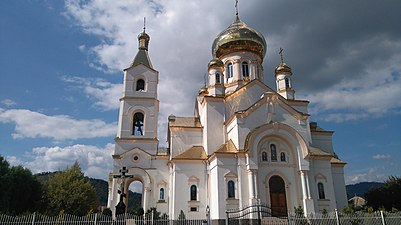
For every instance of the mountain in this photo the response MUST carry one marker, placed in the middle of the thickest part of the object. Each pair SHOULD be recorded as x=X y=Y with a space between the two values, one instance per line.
x=360 y=189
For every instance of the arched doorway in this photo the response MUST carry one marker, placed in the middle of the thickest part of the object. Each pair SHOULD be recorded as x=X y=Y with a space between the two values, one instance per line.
x=135 y=196
x=278 y=200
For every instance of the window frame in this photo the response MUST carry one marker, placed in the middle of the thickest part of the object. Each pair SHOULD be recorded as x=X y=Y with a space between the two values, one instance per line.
x=137 y=85
x=320 y=190
x=230 y=71
x=134 y=125
x=193 y=193
x=245 y=69
x=273 y=152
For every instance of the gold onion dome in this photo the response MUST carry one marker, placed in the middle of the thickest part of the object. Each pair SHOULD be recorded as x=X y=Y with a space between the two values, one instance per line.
x=215 y=62
x=283 y=68
x=239 y=37
x=143 y=40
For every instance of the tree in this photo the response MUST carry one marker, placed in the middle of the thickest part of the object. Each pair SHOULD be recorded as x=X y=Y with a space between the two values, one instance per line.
x=71 y=192
x=387 y=197
x=20 y=191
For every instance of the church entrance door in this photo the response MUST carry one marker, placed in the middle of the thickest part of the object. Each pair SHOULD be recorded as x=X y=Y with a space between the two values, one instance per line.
x=278 y=201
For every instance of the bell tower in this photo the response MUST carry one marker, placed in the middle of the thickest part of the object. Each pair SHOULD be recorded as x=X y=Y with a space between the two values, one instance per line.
x=139 y=106
x=283 y=79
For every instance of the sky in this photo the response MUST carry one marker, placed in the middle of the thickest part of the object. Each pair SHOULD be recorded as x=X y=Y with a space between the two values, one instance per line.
x=61 y=73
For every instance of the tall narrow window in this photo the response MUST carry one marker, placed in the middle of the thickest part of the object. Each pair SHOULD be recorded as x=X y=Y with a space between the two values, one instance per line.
x=320 y=189
x=231 y=189
x=137 y=124
x=282 y=157
x=161 y=193
x=245 y=70
x=140 y=85
x=287 y=83
x=229 y=70
x=193 y=192
x=264 y=156
x=273 y=152
x=217 y=78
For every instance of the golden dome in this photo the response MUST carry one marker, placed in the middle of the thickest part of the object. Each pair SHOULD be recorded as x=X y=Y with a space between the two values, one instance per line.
x=283 y=68
x=239 y=37
x=215 y=62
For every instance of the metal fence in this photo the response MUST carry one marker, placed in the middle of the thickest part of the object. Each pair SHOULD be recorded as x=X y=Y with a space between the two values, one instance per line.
x=251 y=217
x=94 y=219
x=355 y=218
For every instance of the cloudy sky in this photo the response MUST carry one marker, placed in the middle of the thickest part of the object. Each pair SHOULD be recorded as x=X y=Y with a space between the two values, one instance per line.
x=61 y=72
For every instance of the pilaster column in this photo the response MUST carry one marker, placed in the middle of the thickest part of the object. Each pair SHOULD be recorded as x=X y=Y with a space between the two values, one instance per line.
x=251 y=184
x=303 y=182
x=146 y=195
x=237 y=69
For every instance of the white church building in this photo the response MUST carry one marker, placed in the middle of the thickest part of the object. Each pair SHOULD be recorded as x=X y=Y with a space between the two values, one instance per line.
x=246 y=143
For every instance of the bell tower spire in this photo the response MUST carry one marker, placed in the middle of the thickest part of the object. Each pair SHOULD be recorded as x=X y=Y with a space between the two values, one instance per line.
x=283 y=75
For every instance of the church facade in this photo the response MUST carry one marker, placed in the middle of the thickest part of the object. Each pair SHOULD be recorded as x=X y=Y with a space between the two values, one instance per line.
x=246 y=143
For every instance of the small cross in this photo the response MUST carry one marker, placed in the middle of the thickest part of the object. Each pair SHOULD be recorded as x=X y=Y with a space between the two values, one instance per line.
x=236 y=7
x=144 y=24
x=281 y=54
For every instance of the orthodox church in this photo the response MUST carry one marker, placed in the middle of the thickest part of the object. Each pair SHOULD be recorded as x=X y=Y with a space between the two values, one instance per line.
x=246 y=143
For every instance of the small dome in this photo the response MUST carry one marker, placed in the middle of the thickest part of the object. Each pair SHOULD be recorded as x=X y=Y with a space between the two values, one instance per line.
x=239 y=37
x=215 y=62
x=283 y=68
x=143 y=39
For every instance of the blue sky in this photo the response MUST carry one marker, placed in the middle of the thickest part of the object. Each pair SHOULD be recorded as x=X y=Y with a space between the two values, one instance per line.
x=61 y=72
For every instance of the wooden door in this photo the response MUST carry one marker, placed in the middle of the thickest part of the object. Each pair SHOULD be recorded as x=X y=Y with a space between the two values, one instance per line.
x=278 y=200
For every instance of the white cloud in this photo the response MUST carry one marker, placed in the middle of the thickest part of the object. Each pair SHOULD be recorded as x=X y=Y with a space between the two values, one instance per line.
x=105 y=94
x=375 y=95
x=29 y=124
x=373 y=174
x=381 y=156
x=94 y=161
x=8 y=102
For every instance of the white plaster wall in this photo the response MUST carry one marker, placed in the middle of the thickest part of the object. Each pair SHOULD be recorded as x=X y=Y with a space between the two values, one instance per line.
x=339 y=186
x=183 y=139
x=214 y=130
x=184 y=170
x=140 y=72
x=320 y=171
x=324 y=142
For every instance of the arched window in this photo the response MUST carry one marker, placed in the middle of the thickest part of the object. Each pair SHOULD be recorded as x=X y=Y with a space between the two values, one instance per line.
x=161 y=193
x=287 y=82
x=137 y=124
x=231 y=189
x=229 y=70
x=140 y=85
x=273 y=152
x=217 y=78
x=320 y=189
x=282 y=157
x=193 y=192
x=245 y=70
x=264 y=156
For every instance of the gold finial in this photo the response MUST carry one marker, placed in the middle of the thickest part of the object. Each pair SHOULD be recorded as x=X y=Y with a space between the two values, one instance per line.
x=144 y=24
x=281 y=54
x=236 y=7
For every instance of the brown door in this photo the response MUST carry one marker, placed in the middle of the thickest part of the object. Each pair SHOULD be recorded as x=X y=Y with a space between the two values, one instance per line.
x=278 y=201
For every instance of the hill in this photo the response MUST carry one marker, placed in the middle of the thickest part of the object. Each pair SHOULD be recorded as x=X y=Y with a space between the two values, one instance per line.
x=360 y=189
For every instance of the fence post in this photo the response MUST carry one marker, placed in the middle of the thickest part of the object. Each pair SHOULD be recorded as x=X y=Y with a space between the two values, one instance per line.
x=95 y=218
x=382 y=216
x=337 y=219
x=151 y=217
x=33 y=218
x=227 y=218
